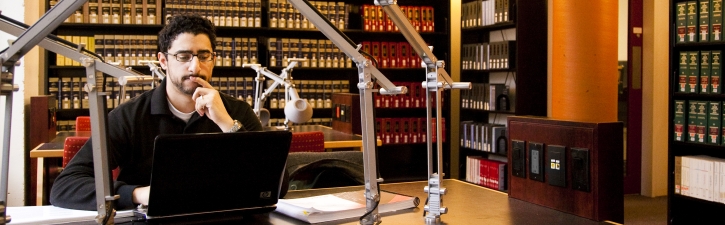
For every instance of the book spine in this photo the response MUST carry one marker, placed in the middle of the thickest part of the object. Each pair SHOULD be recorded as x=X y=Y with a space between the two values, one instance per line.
x=692 y=21
x=694 y=70
x=704 y=22
x=715 y=20
x=679 y=122
x=713 y=122
x=705 y=72
x=692 y=121
x=701 y=121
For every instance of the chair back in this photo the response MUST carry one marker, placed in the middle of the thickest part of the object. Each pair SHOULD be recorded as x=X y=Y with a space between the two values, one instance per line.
x=83 y=123
x=313 y=141
x=72 y=145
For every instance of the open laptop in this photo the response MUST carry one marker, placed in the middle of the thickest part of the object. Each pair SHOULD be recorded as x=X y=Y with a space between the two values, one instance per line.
x=207 y=174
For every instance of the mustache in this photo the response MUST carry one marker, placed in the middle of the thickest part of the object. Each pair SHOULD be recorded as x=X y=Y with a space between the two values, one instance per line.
x=186 y=77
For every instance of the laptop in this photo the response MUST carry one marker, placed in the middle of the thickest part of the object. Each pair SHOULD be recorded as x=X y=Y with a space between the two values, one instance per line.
x=208 y=174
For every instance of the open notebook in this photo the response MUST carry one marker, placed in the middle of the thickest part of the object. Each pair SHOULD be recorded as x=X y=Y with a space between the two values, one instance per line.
x=201 y=174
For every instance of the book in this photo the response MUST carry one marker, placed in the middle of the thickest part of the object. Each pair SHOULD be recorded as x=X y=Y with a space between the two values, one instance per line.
x=339 y=206
x=49 y=214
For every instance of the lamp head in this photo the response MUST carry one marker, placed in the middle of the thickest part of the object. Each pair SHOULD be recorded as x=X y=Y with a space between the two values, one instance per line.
x=297 y=110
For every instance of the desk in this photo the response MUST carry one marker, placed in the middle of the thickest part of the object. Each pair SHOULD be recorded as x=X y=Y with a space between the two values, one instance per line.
x=54 y=149
x=467 y=204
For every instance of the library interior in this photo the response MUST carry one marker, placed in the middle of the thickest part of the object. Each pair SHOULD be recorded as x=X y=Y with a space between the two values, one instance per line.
x=405 y=112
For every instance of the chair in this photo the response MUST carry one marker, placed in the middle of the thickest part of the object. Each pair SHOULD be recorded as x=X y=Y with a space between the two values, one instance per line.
x=83 y=123
x=313 y=141
x=72 y=145
x=307 y=170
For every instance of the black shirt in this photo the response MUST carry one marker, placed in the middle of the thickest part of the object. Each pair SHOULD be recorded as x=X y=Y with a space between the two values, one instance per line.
x=131 y=130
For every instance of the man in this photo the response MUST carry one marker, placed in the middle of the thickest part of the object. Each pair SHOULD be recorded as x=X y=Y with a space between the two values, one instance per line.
x=185 y=102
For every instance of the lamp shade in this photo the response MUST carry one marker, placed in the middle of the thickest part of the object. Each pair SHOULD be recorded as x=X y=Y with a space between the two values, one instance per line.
x=297 y=110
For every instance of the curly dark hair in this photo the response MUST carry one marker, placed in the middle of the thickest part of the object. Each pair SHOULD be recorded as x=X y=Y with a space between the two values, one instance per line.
x=186 y=23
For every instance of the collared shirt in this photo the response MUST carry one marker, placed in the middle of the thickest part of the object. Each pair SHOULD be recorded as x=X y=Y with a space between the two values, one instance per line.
x=131 y=130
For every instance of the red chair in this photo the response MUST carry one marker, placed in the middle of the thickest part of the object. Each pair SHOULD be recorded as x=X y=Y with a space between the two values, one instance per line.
x=83 y=123
x=313 y=141
x=72 y=145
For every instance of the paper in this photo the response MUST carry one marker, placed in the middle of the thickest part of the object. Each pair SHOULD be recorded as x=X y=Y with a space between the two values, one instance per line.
x=49 y=214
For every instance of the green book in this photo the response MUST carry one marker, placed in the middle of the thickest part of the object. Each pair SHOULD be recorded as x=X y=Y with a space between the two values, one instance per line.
x=714 y=115
x=693 y=69
x=704 y=22
x=692 y=122
x=682 y=79
x=715 y=71
x=705 y=72
x=701 y=121
x=716 y=20
x=691 y=21
x=681 y=22
x=679 y=119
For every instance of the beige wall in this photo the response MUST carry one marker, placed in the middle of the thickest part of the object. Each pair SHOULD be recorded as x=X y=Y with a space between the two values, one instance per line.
x=655 y=97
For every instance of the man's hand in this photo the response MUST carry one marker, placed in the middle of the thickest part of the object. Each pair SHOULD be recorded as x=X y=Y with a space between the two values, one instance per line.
x=209 y=103
x=141 y=195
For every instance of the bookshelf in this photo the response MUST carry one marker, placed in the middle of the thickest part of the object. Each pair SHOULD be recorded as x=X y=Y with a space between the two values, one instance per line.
x=502 y=46
x=399 y=161
x=696 y=156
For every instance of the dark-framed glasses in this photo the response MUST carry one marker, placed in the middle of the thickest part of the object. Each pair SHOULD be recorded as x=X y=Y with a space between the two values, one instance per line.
x=188 y=56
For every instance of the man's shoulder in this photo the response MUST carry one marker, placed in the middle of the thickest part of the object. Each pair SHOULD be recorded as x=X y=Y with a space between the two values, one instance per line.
x=134 y=104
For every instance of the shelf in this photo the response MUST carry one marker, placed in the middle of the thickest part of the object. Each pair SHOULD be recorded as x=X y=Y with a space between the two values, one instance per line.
x=497 y=26
x=481 y=152
x=689 y=148
x=489 y=111
x=503 y=192
x=693 y=211
x=468 y=71
x=694 y=96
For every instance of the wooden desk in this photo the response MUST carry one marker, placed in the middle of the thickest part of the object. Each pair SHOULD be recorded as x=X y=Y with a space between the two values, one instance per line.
x=467 y=204
x=54 y=149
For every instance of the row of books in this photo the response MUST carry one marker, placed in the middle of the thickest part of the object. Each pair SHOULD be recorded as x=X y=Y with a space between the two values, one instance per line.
x=376 y=20
x=318 y=93
x=699 y=21
x=701 y=177
x=405 y=130
x=236 y=51
x=127 y=50
x=61 y=60
x=223 y=13
x=283 y=15
x=116 y=12
x=392 y=54
x=700 y=72
x=487 y=56
x=485 y=12
x=65 y=125
x=414 y=98
x=485 y=96
x=698 y=121
x=486 y=172
x=319 y=53
x=485 y=137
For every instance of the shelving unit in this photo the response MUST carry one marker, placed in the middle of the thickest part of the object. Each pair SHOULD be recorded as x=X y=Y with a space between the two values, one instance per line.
x=526 y=76
x=693 y=208
x=399 y=162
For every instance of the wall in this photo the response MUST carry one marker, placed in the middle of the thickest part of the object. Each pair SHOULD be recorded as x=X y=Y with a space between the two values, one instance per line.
x=16 y=174
x=655 y=97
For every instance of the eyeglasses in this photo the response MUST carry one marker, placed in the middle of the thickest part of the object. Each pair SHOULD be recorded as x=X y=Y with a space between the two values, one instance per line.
x=188 y=56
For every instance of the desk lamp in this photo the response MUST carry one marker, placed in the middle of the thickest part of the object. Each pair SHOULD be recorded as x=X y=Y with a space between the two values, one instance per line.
x=436 y=78
x=39 y=34
x=296 y=109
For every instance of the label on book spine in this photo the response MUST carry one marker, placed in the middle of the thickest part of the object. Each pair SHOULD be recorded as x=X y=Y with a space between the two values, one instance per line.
x=692 y=122
x=691 y=21
x=681 y=22
x=704 y=25
x=716 y=20
x=705 y=72
x=693 y=66
x=713 y=122
x=682 y=79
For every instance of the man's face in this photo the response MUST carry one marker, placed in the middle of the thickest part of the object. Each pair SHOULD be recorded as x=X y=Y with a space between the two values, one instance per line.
x=178 y=72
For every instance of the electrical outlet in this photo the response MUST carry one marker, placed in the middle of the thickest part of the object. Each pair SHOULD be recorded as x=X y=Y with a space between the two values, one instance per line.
x=580 y=169
x=518 y=158
x=536 y=161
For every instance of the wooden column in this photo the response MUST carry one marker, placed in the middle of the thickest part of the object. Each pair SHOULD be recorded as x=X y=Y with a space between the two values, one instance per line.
x=584 y=60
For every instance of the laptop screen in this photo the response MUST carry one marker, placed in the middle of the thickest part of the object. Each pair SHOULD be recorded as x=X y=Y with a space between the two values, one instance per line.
x=204 y=173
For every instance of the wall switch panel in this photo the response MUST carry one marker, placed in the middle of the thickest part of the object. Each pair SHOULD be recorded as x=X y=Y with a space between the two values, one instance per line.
x=580 y=169
x=518 y=158
x=556 y=165
x=536 y=161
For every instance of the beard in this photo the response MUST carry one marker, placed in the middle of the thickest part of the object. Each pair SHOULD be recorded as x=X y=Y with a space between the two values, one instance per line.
x=179 y=83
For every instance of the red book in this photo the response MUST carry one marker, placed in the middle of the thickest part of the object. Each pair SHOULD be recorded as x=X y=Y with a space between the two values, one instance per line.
x=380 y=21
x=404 y=10
x=418 y=96
x=405 y=99
x=405 y=130
x=367 y=47
x=414 y=59
x=397 y=134
x=384 y=61
x=377 y=97
x=483 y=172
x=388 y=23
x=393 y=54
x=387 y=131
x=366 y=18
x=378 y=128
x=414 y=130
x=403 y=58
x=416 y=18
x=423 y=129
